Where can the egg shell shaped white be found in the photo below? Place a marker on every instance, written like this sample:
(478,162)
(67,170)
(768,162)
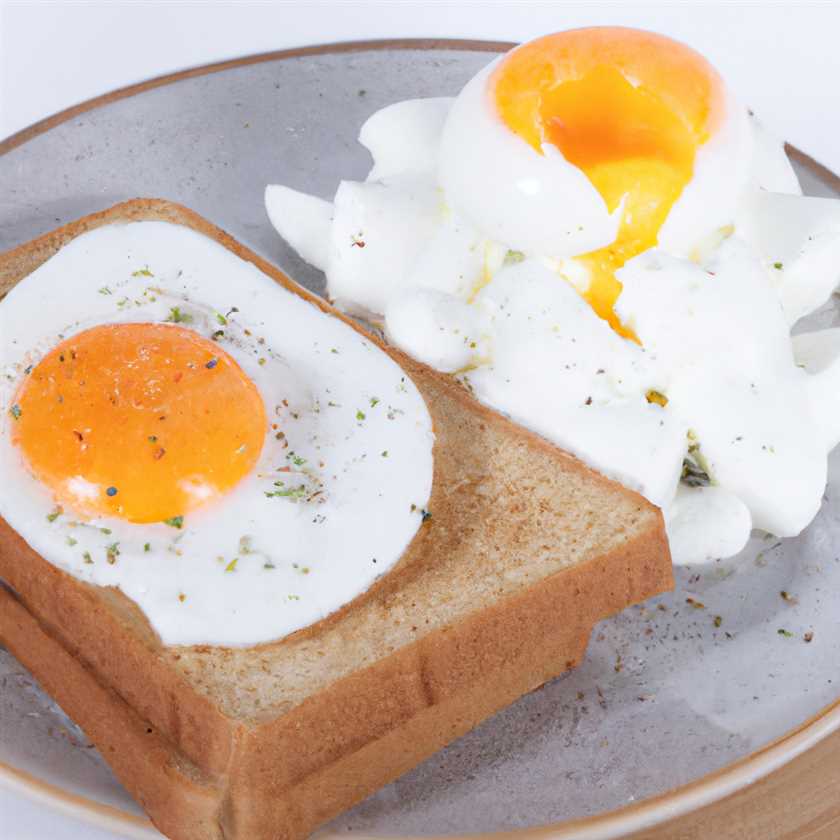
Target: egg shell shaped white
(379,230)
(722,169)
(798,238)
(532,202)
(771,168)
(819,354)
(403,138)
(303,220)
(705,524)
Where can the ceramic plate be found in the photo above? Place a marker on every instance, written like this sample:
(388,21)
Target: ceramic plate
(669,691)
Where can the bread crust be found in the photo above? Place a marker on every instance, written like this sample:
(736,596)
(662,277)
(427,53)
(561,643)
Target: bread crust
(544,545)
(180,800)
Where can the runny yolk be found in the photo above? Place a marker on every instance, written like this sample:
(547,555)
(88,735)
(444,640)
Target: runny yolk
(145,422)
(629,109)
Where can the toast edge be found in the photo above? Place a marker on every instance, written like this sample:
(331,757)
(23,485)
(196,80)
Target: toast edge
(180,800)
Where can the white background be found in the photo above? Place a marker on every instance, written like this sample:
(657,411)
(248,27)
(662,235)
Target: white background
(783,59)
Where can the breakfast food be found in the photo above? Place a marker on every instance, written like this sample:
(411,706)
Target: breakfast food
(218,728)
(598,240)
(176,411)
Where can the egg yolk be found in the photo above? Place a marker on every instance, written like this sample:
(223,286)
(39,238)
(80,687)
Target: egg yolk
(145,422)
(629,109)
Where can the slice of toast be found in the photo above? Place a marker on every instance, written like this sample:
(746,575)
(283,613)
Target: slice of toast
(527,548)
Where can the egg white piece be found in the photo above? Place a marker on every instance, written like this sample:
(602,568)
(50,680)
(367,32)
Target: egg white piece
(771,168)
(745,400)
(539,204)
(705,523)
(721,172)
(436,328)
(685,313)
(303,220)
(379,230)
(554,366)
(455,260)
(257,564)
(819,354)
(403,138)
(799,239)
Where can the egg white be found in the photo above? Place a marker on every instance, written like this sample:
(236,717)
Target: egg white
(798,238)
(252,567)
(534,203)
(403,138)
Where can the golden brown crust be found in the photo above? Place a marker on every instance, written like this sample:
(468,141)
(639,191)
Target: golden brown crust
(177,796)
(526,549)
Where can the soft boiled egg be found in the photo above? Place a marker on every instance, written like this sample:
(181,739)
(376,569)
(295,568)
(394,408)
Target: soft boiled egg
(179,426)
(610,250)
(596,143)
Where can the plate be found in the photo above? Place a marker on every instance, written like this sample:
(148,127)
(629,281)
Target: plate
(702,679)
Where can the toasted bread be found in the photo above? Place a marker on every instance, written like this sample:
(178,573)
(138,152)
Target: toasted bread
(527,549)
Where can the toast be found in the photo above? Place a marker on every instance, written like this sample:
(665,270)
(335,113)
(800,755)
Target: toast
(495,595)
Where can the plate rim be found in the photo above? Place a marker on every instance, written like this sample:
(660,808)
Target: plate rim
(609,825)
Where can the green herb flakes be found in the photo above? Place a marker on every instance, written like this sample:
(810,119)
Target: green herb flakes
(786,633)
(286,492)
(778,266)
(174,522)
(220,319)
(360,415)
(231,567)
(87,558)
(147,547)
(51,517)
(176,316)
(15,412)
(142,272)
(112,552)
(71,542)
(374,401)
(513,257)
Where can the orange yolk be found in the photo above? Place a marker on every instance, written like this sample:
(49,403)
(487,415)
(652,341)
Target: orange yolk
(145,422)
(629,109)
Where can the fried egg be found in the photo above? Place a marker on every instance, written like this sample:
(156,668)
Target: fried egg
(611,251)
(179,426)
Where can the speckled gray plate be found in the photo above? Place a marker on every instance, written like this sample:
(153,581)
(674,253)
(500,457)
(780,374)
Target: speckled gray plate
(665,694)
